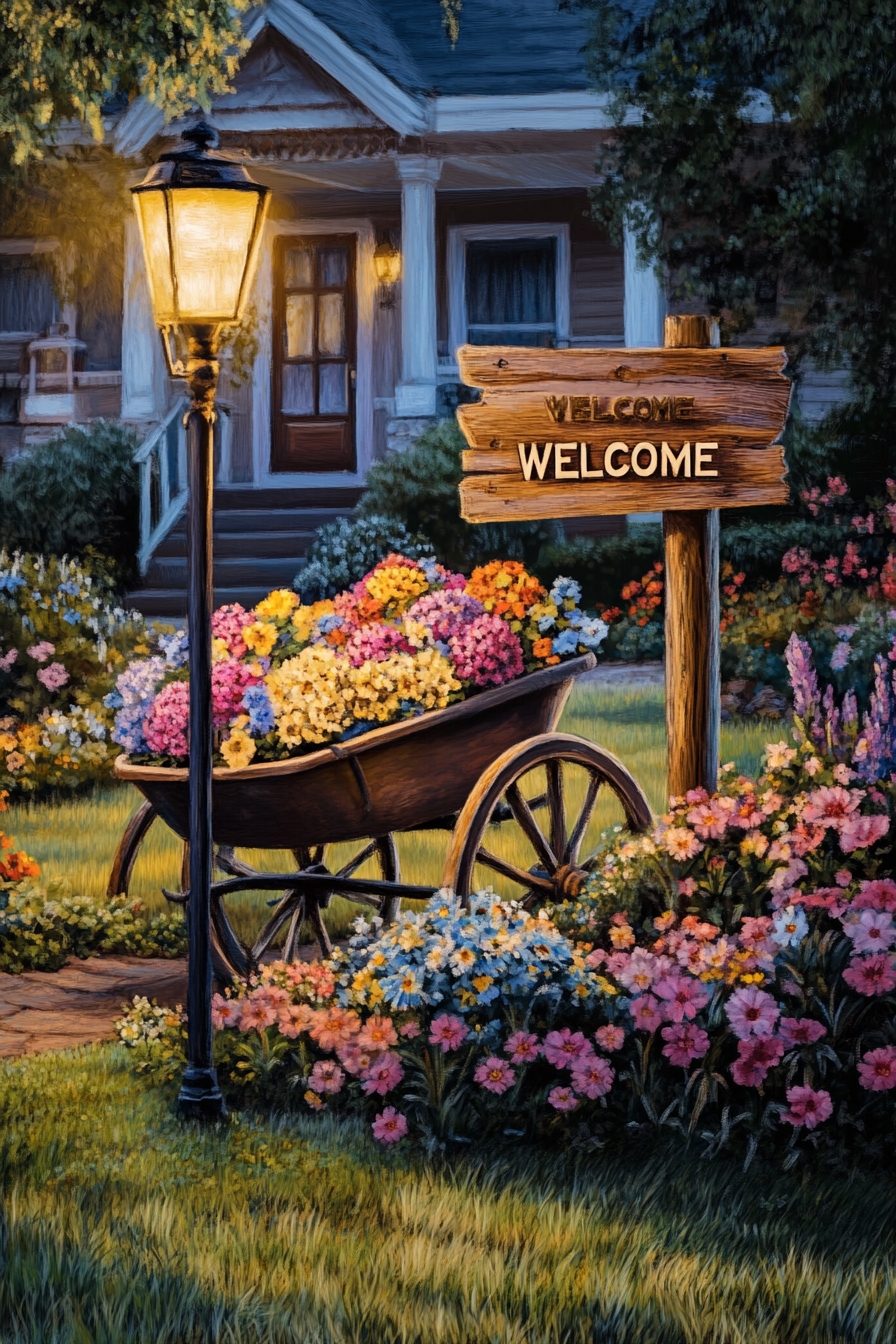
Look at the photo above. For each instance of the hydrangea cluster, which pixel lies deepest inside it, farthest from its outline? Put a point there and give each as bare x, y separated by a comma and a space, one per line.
408, 637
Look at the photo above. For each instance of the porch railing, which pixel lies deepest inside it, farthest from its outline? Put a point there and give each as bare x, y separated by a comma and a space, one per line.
162, 458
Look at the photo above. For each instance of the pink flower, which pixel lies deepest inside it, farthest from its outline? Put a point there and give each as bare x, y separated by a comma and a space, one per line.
801, 1031
355, 1060
871, 975
486, 652
53, 677
293, 1019
225, 1012
752, 1012
40, 652
831, 805
383, 1074
230, 681
871, 932
610, 1038
377, 1033
409, 1030
646, 1013
879, 894
640, 972
334, 1026
562, 1047
807, 1107
448, 1032
390, 1126
228, 624
8, 659
326, 1076
373, 643
446, 612
495, 1075
860, 832
710, 820
684, 1042
257, 1014
522, 1047
682, 997
167, 726
877, 1069
756, 1056
562, 1099
592, 1076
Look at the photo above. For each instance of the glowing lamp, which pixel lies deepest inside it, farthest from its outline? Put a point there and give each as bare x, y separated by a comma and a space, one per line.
387, 263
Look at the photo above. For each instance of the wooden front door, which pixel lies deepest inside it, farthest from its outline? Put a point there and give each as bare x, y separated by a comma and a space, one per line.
314, 354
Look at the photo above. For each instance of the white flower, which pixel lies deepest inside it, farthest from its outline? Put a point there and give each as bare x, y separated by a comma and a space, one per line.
791, 926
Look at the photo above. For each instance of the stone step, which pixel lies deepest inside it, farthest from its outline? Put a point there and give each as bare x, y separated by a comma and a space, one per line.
257, 545
266, 520
229, 572
340, 498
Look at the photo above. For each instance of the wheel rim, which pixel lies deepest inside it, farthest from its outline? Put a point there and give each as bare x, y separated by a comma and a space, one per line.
536, 807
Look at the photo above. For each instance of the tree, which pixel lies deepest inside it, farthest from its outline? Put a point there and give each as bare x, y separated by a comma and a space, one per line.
754, 154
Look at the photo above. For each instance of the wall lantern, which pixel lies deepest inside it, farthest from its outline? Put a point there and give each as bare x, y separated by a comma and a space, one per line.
387, 264
200, 218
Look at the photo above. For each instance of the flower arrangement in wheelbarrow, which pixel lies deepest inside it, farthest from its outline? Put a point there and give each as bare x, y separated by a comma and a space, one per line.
410, 636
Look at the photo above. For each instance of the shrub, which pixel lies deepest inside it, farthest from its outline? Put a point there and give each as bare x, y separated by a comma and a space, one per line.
76, 495
344, 551
419, 488
603, 564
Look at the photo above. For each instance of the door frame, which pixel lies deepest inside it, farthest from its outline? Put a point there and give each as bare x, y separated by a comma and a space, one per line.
263, 369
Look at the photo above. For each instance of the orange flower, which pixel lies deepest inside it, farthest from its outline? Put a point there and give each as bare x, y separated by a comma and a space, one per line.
542, 648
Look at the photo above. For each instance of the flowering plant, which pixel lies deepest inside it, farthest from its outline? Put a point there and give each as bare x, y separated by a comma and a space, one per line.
408, 637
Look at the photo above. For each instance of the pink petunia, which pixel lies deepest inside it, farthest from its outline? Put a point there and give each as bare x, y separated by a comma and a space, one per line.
860, 832
334, 1026
522, 1047
42, 651
710, 820
877, 1069
562, 1047
377, 1033
390, 1126
640, 972
684, 1042
409, 1030
807, 1107
495, 1075
562, 1099
879, 894
756, 1055
592, 1076
384, 1074
801, 1031
830, 805
646, 1013
225, 1012
448, 1032
871, 932
871, 975
356, 1061
257, 1014
326, 1076
681, 997
752, 1012
610, 1038
53, 677
294, 1018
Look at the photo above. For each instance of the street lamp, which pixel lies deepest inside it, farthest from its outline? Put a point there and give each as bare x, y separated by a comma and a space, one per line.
200, 218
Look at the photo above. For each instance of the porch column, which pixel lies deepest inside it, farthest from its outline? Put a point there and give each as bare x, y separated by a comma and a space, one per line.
415, 395
142, 373
645, 304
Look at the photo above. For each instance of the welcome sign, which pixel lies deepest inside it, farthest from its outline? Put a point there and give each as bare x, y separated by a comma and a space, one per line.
566, 433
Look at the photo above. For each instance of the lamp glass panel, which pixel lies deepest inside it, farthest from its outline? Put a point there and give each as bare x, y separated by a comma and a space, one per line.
212, 232
331, 330
299, 326
153, 221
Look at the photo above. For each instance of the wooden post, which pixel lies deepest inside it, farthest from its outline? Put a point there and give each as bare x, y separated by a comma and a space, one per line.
693, 686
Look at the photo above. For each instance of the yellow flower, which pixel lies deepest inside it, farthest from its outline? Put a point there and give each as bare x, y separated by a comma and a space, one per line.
260, 637
277, 606
604, 985
482, 982
238, 750
8, 741
375, 993
220, 650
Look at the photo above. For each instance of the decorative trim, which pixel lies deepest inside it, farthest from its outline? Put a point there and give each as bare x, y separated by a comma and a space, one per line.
461, 234
315, 146
576, 111
262, 373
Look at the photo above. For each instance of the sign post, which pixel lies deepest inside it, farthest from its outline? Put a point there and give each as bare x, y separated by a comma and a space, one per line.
684, 430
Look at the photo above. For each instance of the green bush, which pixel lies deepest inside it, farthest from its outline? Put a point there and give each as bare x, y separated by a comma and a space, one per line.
344, 551
603, 565
77, 495
419, 488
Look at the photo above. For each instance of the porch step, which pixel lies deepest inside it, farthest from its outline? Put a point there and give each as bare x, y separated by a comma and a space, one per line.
261, 538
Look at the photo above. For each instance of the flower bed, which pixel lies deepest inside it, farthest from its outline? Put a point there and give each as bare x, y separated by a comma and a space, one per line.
409, 637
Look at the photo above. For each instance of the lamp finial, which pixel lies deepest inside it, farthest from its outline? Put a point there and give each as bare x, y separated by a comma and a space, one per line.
203, 135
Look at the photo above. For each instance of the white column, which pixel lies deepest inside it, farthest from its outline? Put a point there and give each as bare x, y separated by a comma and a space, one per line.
142, 371
645, 303
416, 393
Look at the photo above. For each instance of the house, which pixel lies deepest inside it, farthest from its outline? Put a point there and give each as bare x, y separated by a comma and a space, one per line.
472, 162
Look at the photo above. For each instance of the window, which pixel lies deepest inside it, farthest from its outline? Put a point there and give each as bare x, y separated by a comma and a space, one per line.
509, 284
27, 301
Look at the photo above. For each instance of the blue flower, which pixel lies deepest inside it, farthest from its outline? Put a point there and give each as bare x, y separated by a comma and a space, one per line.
258, 706
562, 588
566, 642
328, 623
10, 582
71, 617
175, 648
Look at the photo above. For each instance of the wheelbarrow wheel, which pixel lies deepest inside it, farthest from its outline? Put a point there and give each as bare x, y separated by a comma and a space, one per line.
539, 777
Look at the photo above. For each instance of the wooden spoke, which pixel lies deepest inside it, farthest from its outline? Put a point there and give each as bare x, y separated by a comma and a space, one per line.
320, 929
520, 875
282, 912
523, 816
581, 826
355, 863
554, 771
291, 945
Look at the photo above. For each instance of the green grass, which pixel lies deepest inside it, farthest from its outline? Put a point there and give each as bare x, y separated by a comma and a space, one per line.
122, 1226
77, 839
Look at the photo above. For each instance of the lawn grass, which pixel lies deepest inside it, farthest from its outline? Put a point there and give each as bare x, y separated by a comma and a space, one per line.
123, 1226
76, 839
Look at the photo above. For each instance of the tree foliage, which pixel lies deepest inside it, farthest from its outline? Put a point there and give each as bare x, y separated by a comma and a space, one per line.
761, 135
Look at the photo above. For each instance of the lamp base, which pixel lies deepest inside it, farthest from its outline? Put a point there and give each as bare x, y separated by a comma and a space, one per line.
200, 1096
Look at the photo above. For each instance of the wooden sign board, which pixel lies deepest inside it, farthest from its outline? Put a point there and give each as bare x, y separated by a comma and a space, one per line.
567, 433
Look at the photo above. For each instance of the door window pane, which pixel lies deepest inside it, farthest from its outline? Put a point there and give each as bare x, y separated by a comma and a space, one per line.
298, 389
331, 331
333, 267
511, 287
333, 400
299, 326
299, 273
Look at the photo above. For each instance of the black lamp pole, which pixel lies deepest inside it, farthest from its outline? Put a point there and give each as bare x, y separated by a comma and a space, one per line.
200, 1096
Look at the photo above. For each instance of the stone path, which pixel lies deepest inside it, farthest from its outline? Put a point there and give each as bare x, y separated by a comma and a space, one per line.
57, 1010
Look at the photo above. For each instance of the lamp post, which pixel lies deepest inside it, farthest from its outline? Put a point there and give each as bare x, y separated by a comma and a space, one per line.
200, 218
